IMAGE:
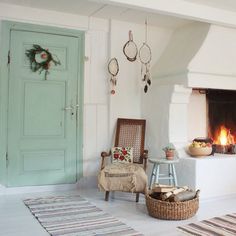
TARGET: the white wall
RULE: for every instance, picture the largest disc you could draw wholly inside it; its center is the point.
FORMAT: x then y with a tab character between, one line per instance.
127	101
95	100
165	107
214	176
197	115
183	46
156	111
104	39
199	55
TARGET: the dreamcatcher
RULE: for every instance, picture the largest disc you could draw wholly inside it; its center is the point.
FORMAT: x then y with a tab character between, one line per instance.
113	69
145	56
130	48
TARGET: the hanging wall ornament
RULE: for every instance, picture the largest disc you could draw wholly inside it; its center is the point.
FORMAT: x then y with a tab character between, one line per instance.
130	48
145	55
113	69
41	59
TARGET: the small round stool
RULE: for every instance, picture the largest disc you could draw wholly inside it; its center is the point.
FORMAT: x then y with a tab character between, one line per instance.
156	176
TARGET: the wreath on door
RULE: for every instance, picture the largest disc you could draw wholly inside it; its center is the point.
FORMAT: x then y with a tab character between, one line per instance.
41	59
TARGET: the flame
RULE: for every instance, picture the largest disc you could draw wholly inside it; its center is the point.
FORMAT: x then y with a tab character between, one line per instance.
224	136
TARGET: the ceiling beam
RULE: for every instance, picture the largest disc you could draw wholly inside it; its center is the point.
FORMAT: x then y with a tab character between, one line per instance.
180	8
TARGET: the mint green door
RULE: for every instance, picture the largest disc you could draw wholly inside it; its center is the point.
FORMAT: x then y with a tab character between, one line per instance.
42	113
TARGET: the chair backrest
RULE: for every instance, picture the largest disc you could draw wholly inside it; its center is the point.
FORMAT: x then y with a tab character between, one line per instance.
131	133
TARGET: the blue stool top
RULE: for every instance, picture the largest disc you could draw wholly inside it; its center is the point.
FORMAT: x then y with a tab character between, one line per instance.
163	161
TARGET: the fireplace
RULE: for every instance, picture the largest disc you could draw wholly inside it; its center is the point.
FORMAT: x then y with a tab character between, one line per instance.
197	57
222	120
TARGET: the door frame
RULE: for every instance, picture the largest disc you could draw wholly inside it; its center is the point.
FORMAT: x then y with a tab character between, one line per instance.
6	28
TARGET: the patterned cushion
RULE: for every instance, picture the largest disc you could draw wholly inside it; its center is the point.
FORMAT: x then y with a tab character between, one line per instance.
122	154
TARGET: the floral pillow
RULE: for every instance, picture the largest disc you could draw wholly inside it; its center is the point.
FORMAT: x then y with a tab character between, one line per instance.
122	154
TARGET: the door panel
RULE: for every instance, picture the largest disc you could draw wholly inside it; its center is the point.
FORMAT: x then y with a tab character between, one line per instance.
42	161
37	111
41	133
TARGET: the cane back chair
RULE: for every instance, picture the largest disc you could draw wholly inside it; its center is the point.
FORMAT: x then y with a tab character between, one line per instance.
130	133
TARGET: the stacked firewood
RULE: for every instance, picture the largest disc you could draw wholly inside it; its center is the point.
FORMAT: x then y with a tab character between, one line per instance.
173	194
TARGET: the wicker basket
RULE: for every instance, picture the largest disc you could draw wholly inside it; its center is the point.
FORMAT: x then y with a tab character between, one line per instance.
171	210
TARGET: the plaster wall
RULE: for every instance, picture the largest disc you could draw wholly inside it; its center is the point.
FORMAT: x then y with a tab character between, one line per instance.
217	54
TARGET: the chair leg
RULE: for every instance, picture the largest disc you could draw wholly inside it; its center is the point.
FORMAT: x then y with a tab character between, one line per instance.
107	195
137	197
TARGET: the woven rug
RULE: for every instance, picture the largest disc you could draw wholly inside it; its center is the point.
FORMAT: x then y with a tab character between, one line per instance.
73	215
217	226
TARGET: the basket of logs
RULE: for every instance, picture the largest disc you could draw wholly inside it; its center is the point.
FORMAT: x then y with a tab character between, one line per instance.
172	203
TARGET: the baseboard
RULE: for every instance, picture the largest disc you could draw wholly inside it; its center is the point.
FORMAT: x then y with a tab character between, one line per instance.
217	198
87	182
83	183
34	189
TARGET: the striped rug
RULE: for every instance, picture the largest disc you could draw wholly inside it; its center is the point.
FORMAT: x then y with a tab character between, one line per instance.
217	226
73	215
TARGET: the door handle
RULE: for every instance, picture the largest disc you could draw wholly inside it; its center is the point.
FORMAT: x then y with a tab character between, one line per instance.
71	109
68	108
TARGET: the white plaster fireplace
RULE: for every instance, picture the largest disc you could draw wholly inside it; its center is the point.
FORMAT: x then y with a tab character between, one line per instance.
198	56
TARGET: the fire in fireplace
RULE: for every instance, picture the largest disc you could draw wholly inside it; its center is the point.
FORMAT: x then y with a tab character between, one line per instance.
222	120
223	136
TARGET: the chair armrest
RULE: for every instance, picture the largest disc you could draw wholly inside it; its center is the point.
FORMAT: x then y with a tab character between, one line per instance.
104	155
145	154
145	157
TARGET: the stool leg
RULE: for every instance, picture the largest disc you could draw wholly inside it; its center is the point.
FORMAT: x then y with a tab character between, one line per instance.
170	174
174	175
157	173
152	176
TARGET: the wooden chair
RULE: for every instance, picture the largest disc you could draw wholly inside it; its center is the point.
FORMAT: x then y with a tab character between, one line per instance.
129	133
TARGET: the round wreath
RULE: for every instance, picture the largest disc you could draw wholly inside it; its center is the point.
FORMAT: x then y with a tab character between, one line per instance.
40	59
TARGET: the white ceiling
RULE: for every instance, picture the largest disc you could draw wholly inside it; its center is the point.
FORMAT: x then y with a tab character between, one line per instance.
96	9
102	10
229	5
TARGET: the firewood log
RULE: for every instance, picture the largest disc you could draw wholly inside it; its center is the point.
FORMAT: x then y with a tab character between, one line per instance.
175	192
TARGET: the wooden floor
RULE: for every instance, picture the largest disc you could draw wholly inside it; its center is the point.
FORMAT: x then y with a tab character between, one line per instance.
16	220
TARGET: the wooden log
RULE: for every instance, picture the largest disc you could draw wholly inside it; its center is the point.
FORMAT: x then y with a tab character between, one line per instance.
175	192
184	196
162	188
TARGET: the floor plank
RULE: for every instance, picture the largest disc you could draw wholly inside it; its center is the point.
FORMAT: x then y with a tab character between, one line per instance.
16	219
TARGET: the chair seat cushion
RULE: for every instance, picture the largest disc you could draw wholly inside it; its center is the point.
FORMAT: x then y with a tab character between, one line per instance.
123	177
